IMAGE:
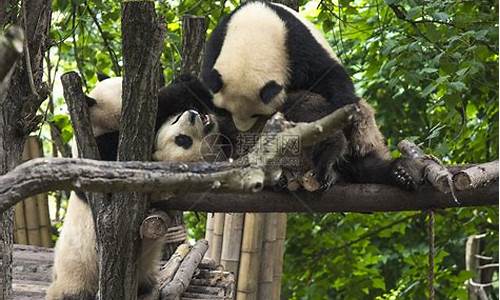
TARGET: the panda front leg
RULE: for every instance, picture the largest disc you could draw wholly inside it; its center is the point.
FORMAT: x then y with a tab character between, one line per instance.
75	265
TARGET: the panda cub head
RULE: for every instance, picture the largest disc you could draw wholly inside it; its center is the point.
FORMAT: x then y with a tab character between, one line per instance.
105	105
185	137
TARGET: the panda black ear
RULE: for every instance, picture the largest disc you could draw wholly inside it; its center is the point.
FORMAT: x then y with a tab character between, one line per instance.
90	101
214	81
269	91
101	76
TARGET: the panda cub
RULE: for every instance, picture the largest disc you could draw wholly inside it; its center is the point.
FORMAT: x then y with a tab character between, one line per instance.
186	137
263	50
179	132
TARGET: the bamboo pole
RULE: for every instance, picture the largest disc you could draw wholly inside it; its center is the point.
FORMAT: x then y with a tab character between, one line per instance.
21	235
30	204
216	250
231	243
209	232
42	201
250	255
44	219
268	256
280	251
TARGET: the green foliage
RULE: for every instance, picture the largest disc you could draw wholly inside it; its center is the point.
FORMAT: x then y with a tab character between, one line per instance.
431	70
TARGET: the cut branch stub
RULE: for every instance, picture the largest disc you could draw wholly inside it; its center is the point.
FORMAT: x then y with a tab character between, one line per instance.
476	176
155	225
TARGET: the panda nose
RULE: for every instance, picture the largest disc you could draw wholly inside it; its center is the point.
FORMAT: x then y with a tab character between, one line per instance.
192	116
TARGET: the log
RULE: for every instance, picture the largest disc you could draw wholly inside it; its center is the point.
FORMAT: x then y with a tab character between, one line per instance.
476	176
183	276
168	270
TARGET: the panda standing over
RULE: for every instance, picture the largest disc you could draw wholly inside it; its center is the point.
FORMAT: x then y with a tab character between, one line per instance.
180	130
264	58
263	50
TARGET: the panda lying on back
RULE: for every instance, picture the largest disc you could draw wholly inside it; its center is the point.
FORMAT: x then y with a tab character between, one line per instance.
179	132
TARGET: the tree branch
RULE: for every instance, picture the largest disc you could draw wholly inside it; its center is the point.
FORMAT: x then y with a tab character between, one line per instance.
341	198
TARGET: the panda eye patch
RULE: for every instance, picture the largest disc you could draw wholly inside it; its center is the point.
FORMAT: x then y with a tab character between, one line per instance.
183	141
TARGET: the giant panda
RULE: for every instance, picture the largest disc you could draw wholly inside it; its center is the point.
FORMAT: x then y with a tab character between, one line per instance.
263	50
178	133
356	154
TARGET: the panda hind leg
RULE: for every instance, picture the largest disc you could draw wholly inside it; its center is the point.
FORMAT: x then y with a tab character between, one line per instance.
402	172
326	157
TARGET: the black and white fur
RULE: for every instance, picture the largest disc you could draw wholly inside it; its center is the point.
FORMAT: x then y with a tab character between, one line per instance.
179	134
356	154
262	50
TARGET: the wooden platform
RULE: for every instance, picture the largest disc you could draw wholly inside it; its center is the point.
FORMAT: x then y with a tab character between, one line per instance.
32	271
32	274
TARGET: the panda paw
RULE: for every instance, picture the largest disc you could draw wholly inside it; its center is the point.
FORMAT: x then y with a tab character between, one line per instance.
408	173
327	178
185	78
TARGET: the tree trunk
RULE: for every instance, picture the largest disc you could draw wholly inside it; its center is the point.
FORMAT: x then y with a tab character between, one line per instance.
25	92
118	221
193	40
